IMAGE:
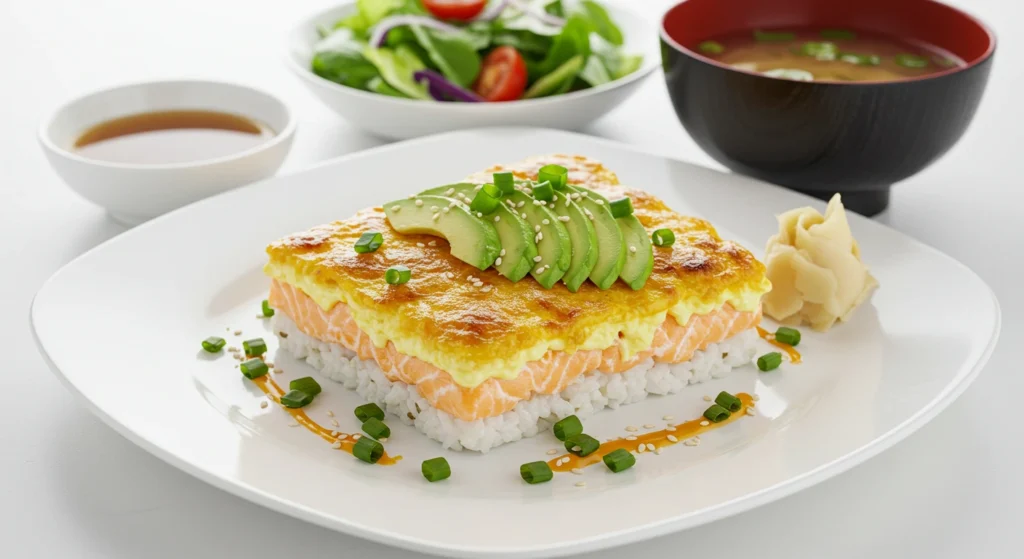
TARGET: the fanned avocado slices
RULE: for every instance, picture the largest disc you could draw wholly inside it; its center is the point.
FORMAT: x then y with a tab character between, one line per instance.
638	255
473	240
554	246
611	248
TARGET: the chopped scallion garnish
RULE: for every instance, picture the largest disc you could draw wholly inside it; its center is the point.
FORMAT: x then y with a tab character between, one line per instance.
769	361
397	275
728	401
619	460
716	413
773	36
711	47
582	445
621	207
536	472
267	311
543	191
484	202
787	335
368	450
296	399
369	242
253	368
557	175
366	411
567	428
506	182
309	385
436	469
213	344
911	61
254	347
376	428
663	237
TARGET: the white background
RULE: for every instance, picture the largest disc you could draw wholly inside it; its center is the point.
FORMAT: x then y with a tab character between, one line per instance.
71	487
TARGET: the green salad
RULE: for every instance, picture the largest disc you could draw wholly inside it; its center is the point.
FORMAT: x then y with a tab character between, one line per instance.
473	50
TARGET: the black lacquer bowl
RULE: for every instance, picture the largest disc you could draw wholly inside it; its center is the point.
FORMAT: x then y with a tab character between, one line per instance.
855	138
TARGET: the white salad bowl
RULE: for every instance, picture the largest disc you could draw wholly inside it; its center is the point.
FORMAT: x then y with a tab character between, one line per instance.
133	193
398	118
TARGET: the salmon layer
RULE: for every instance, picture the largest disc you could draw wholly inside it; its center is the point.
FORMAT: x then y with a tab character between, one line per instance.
672	343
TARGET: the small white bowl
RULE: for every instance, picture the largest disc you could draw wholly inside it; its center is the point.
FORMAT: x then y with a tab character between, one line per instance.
133	193
400	119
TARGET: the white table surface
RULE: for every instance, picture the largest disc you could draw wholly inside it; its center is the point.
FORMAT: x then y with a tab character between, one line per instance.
72	487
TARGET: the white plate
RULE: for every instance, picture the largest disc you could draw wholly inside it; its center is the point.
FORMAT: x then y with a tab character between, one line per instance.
121	326
397	118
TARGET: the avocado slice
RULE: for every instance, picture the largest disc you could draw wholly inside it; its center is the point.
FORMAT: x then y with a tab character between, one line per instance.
554	247
582	236
518	248
639	263
473	240
611	248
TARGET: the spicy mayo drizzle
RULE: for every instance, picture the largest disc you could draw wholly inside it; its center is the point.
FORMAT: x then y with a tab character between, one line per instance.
660	439
274	392
794	355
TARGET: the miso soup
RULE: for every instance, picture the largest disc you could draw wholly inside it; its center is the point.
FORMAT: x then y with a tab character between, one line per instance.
827	55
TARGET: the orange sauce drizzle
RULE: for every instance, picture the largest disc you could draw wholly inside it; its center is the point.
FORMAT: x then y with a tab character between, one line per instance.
659	439
274	392
794	355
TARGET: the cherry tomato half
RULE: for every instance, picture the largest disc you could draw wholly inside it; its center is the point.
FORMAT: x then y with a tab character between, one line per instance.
458	10
502	75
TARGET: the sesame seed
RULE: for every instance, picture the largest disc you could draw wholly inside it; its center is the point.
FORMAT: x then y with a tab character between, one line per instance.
537	258
567	202
449	275
502	253
540	236
486	288
497	218
632	249
750	411
563	218
435	217
538	203
411	196
383	439
667	417
433	208
631	429
330	413
554	197
470	278
552	452
497	261
641	447
233	349
396	208
692	442
478	283
650	447
707	398
590	216
421	245
577	471
479	214
581	484
670	428
540	269
419	203
334	422
630	438
356	437
657	451
432	244
522	215
270	365
238	356
648	426
545	222
598	201
278	370
536	228
449	192
577	448
238	332
264	404
336	445
342	435
445	209
705	423
521	204
575	196
334	433
673	438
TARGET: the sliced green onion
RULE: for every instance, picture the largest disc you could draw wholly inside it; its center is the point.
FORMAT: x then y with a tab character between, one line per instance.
368	450
788	336
821	51
911	61
716	413
436	469
860	59
397	275
254	368
506	182
621	207
711	47
728	401
769	361
557	175
543	191
582	445
366	411
568	428
838	34
773	36
254	347
309	385
267	311
369	242
213	344
663	237
484	202
296	399
376	428
536	472
619	459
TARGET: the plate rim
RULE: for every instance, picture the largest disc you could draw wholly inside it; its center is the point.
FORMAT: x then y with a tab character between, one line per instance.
960	381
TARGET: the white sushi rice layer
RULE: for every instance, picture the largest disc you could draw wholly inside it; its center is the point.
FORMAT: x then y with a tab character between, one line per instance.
586	395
